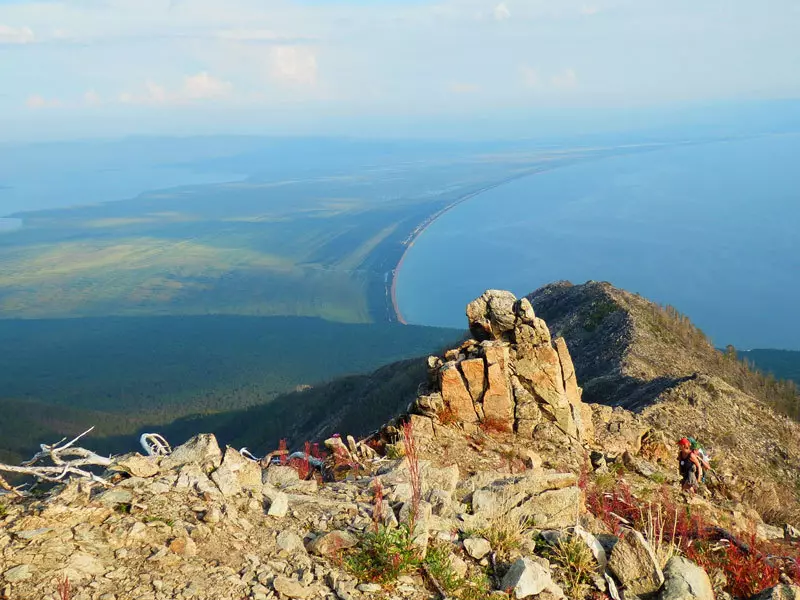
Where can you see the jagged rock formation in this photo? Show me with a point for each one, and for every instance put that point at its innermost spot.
(511, 377)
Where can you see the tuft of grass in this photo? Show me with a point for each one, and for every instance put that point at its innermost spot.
(576, 565)
(384, 555)
(3, 509)
(660, 529)
(658, 478)
(507, 525)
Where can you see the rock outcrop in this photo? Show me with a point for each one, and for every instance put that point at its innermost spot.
(511, 377)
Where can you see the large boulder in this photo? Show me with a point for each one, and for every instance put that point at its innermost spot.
(492, 316)
(236, 473)
(684, 580)
(202, 450)
(634, 564)
(527, 578)
(135, 465)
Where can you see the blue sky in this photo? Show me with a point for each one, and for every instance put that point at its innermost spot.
(105, 67)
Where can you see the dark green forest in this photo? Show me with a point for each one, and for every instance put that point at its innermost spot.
(119, 374)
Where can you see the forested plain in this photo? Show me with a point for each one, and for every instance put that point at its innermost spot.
(59, 377)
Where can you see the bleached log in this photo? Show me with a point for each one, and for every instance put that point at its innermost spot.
(67, 460)
(154, 444)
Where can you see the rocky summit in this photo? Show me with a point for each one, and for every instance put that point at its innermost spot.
(500, 481)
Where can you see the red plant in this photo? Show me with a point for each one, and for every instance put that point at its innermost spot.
(377, 504)
(493, 425)
(414, 474)
(64, 589)
(748, 568)
(747, 573)
(447, 416)
(303, 465)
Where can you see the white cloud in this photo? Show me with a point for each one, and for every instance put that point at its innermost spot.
(501, 12)
(195, 88)
(203, 85)
(16, 35)
(530, 77)
(293, 64)
(588, 10)
(36, 101)
(566, 80)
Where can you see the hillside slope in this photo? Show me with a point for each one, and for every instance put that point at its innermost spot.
(633, 354)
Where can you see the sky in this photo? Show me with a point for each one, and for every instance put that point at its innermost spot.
(85, 68)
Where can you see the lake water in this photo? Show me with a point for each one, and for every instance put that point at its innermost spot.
(9, 224)
(711, 229)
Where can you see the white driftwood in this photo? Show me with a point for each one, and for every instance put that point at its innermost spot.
(154, 444)
(248, 455)
(67, 460)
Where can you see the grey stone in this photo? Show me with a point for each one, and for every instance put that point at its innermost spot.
(279, 505)
(280, 476)
(290, 542)
(477, 548)
(634, 564)
(115, 497)
(528, 578)
(684, 580)
(226, 481)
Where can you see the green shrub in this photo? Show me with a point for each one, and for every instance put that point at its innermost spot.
(384, 555)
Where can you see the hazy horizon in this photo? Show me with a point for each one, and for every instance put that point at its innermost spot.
(75, 69)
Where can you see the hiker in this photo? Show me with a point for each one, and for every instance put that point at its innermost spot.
(689, 466)
(699, 451)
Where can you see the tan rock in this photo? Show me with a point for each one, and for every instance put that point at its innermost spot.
(290, 588)
(421, 426)
(498, 400)
(474, 370)
(568, 372)
(135, 465)
(498, 403)
(455, 393)
(184, 546)
(555, 509)
(330, 544)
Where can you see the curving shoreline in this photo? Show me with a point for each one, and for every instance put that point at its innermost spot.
(420, 229)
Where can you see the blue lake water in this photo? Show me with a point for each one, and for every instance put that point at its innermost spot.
(712, 229)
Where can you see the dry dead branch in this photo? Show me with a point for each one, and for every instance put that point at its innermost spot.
(67, 461)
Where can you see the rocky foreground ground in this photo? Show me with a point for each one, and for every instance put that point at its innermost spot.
(500, 482)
